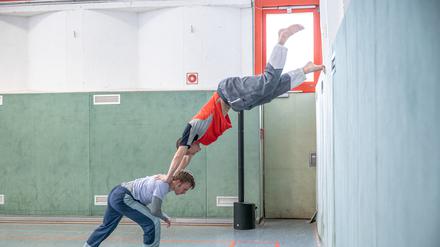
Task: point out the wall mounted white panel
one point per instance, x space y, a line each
161 48
107 50
247 52
48 41
13 50
207 40
110 46
214 46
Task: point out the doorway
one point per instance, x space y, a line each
289 123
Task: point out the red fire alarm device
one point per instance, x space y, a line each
192 78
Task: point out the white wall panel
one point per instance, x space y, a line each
205 40
14 53
161 48
110 50
107 50
48 64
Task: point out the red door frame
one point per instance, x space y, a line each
260 34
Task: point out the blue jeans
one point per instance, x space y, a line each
120 203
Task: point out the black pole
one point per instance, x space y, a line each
244 213
240 156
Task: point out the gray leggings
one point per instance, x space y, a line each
244 93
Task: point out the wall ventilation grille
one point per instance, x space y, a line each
226 201
106 99
100 200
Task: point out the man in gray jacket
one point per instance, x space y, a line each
132 198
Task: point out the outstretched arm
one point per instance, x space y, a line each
175 166
184 163
176 162
182 157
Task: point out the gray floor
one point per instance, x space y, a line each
285 233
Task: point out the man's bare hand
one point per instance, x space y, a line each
168 221
162 177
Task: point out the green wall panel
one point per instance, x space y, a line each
137 138
44 150
386 115
59 150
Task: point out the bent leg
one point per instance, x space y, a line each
287 81
111 220
243 93
247 92
142 216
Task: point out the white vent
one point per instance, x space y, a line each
1 100
106 99
2 199
100 200
226 201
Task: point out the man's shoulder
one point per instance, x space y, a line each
162 184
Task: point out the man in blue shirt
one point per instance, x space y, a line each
131 199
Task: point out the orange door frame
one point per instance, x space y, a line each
264 7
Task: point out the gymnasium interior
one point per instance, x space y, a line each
95 93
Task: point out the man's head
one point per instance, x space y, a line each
182 182
193 149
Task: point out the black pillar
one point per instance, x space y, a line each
240 157
244 213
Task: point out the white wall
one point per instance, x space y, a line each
82 50
325 164
161 48
208 40
13 53
106 50
48 51
332 14
110 50
247 48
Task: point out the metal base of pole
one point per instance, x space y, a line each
244 216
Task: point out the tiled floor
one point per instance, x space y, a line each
273 233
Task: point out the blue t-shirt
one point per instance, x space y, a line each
145 188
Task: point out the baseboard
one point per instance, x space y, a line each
98 220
